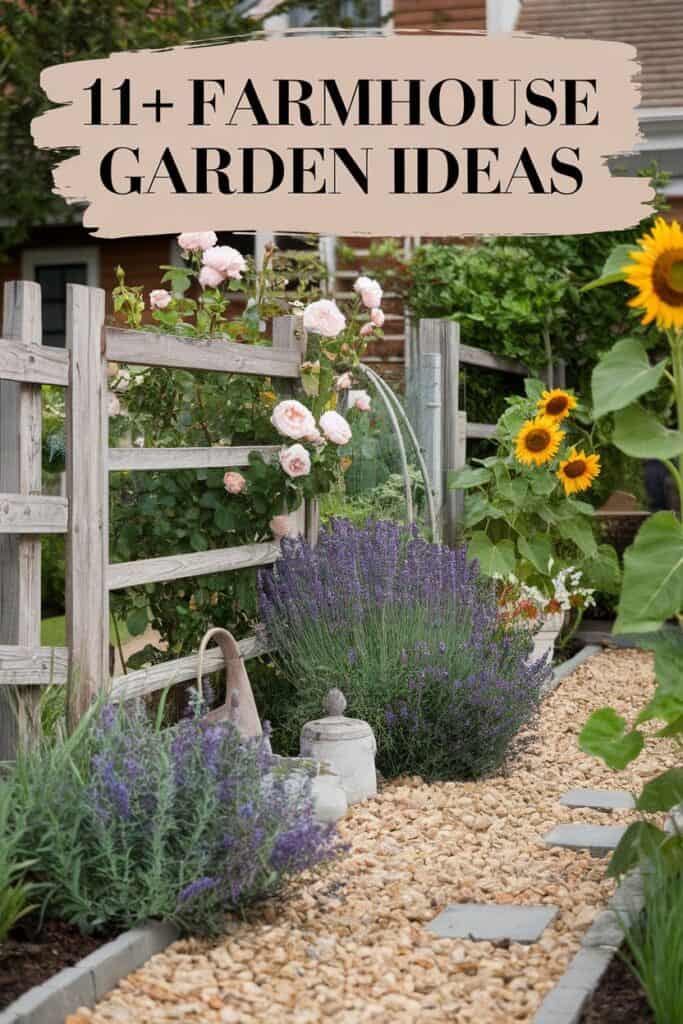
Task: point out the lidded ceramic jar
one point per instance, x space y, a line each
347 744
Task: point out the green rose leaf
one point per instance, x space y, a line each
538 551
494 559
623 375
604 735
641 839
459 479
653 576
642 436
136 622
612 270
663 792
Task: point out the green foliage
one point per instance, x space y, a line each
655 940
605 735
623 375
15 892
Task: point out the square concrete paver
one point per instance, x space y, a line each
491 922
599 839
599 799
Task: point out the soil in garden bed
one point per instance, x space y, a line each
618 999
29 958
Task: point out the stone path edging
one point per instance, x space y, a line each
568 666
565 1002
91 978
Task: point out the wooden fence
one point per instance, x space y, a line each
83 664
432 394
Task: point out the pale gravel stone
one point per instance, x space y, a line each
376 902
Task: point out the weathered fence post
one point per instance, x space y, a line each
429 400
20 473
87 445
443 336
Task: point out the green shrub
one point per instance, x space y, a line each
15 891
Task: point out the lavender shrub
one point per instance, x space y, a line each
412 634
129 822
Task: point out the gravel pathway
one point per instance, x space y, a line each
352 947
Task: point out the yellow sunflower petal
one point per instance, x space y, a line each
656 271
578 471
538 441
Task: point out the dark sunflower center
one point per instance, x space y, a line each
577 467
556 405
667 277
537 440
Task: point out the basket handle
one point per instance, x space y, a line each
228 646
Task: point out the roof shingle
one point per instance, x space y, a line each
654 27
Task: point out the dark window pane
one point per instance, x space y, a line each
53 280
361 13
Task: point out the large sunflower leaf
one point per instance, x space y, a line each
602 571
641 435
641 839
467 477
663 792
613 268
622 375
652 590
537 550
604 735
494 559
580 532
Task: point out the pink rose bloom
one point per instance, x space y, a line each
280 526
366 329
210 278
292 419
191 241
377 317
343 381
363 402
295 461
315 437
369 290
226 260
159 298
234 483
113 405
335 428
324 317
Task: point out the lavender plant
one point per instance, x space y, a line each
126 821
412 633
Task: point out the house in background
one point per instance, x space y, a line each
60 253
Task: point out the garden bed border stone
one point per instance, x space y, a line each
566 668
92 977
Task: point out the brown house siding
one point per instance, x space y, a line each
468 14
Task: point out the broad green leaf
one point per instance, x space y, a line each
477 508
494 559
652 590
136 621
622 376
459 479
663 792
581 533
604 735
642 436
667 645
674 728
612 272
602 571
641 839
543 483
534 388
514 490
537 550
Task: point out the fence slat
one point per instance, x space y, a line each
187 458
39 514
20 473
87 430
180 670
198 563
193 354
31 363
481 431
33 666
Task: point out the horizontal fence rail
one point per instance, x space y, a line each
198 563
486 360
33 666
33 364
148 349
217 457
180 670
35 514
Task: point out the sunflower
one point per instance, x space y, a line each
578 471
657 273
538 441
556 403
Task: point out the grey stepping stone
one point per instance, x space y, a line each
599 799
599 839
492 922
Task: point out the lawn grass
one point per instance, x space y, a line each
53 632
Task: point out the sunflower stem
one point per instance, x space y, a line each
676 342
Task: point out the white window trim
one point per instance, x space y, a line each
50 256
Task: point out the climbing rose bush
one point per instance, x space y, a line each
413 635
127 822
